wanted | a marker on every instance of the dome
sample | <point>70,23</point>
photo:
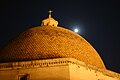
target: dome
<point>50,41</point>
<point>47,42</point>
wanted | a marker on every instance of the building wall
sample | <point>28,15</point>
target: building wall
<point>54,69</point>
<point>36,70</point>
<point>44,73</point>
<point>78,72</point>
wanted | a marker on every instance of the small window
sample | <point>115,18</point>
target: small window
<point>24,77</point>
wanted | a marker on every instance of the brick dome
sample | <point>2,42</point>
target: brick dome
<point>47,42</point>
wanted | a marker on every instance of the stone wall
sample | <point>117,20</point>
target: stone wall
<point>78,72</point>
<point>54,69</point>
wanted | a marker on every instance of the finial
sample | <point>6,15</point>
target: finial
<point>49,21</point>
<point>50,13</point>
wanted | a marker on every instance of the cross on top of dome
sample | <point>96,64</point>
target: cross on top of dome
<point>50,13</point>
<point>49,21</point>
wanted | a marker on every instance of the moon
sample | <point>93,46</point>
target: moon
<point>76,30</point>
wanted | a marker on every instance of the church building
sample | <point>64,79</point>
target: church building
<point>50,52</point>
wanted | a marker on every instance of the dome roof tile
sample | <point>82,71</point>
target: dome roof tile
<point>46,42</point>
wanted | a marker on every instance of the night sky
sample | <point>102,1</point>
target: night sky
<point>97,20</point>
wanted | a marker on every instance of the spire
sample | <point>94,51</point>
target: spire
<point>50,13</point>
<point>49,21</point>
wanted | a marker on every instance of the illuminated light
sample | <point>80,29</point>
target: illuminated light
<point>76,30</point>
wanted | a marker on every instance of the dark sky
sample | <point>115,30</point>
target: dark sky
<point>98,21</point>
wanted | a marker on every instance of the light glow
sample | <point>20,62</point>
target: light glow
<point>76,30</point>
